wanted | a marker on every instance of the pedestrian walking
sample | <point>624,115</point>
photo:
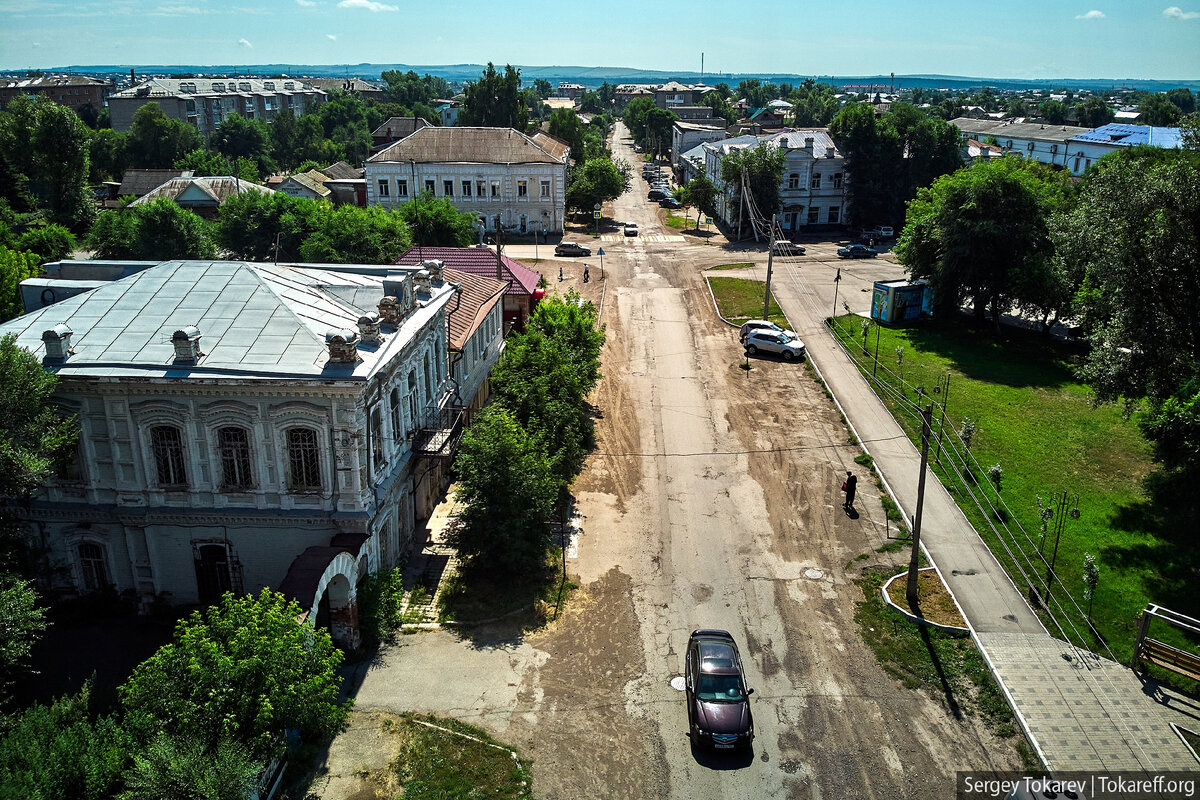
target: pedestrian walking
<point>585,273</point>
<point>849,487</point>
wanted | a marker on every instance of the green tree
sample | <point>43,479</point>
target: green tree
<point>720,106</point>
<point>352,235</point>
<point>250,225</point>
<point>1053,112</point>
<point>873,154</point>
<point>296,140</point>
<point>204,163</point>
<point>237,137</point>
<point>507,495</point>
<point>244,671</point>
<point>435,222</point>
<point>409,89</point>
<point>181,768</point>
<point>1189,130</point>
<point>981,233</point>
<point>701,193</point>
<point>543,88</point>
<point>44,148</point>
<point>156,141</point>
<point>566,125</point>
<point>659,122</point>
<point>573,323</point>
<point>108,155</point>
<point>494,101</point>
<point>1183,99</point>
<point>156,231</point>
<point>1015,108</point>
<point>760,169</point>
<point>1156,109</point>
<point>814,104</point>
<point>63,751</point>
<point>22,621</point>
<point>47,242</point>
<point>1132,231</point>
<point>348,121</point>
<point>1093,112</point>
<point>15,266</point>
<point>596,181</point>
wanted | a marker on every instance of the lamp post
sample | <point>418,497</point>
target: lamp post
<point>1063,506</point>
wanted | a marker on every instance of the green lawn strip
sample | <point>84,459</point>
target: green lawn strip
<point>1035,419</point>
<point>675,221</point>
<point>948,667</point>
<point>739,265</point>
<point>740,299</point>
<point>435,764</point>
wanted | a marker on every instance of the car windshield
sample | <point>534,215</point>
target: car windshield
<point>720,689</point>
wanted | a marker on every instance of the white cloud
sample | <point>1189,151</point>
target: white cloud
<point>1093,14</point>
<point>244,43</point>
<point>305,3</point>
<point>1175,12</point>
<point>369,5</point>
<point>177,11</point>
<point>331,37</point>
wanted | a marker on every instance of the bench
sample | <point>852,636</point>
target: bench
<point>1160,654</point>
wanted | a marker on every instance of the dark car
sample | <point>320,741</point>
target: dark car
<point>670,202</point>
<point>857,251</point>
<point>717,698</point>
<point>656,194</point>
<point>571,249</point>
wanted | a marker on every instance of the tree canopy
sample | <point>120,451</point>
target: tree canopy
<point>157,141</point>
<point>981,234</point>
<point>156,231</point>
<point>245,669</point>
<point>760,169</point>
<point>495,101</point>
<point>701,193</point>
<point>436,222</point>
<point>596,181</point>
<point>45,161</point>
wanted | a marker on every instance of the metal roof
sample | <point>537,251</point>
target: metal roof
<point>1123,135</point>
<point>477,261</point>
<point>256,321</point>
<point>467,146</point>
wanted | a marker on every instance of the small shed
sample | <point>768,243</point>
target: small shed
<point>900,301</point>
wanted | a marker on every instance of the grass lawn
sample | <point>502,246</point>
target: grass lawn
<point>947,666</point>
<point>740,299</point>
<point>1036,420</point>
<point>676,221</point>
<point>454,760</point>
<point>739,265</point>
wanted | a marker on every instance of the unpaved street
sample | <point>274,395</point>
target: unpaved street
<point>712,500</point>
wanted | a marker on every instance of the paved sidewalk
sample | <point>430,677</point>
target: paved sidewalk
<point>1082,712</point>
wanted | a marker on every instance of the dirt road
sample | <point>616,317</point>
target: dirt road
<point>711,501</point>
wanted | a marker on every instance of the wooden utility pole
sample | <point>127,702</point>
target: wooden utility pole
<point>767,298</point>
<point>911,593</point>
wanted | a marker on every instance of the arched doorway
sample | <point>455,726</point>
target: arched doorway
<point>323,580</point>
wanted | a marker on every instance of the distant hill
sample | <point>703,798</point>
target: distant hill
<point>594,76</point>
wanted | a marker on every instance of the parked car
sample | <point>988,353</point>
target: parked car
<point>784,344</point>
<point>782,247</point>
<point>571,249</point>
<point>760,324</point>
<point>857,251</point>
<point>877,234</point>
<point>631,229</point>
<point>670,202</point>
<point>718,701</point>
<point>656,194</point>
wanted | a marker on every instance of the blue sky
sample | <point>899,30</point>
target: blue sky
<point>1018,39</point>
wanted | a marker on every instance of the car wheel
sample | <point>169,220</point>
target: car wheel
<point>751,350</point>
<point>787,355</point>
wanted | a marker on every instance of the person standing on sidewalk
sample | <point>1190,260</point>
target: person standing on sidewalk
<point>849,487</point>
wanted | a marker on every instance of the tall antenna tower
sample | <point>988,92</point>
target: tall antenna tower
<point>702,67</point>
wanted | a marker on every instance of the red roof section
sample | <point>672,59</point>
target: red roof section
<point>479,296</point>
<point>479,261</point>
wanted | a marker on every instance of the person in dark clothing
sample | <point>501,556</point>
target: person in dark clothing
<point>849,488</point>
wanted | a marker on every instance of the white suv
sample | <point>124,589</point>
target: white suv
<point>784,344</point>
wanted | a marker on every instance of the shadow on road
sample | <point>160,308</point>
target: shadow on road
<point>734,759</point>
<point>947,689</point>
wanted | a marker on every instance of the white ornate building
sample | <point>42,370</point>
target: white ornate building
<point>813,188</point>
<point>247,426</point>
<point>510,181</point>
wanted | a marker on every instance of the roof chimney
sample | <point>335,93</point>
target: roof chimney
<point>187,345</point>
<point>436,269</point>
<point>808,143</point>
<point>829,152</point>
<point>368,328</point>
<point>423,286</point>
<point>389,310</point>
<point>342,346</point>
<point>397,297</point>
<point>58,344</point>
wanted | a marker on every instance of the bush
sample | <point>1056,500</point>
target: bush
<point>380,597</point>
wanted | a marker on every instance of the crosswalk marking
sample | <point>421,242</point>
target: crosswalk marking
<point>649,237</point>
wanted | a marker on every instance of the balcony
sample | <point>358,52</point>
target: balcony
<point>439,433</point>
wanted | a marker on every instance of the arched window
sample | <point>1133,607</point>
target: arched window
<point>166,442</point>
<point>234,445</point>
<point>377,458</point>
<point>304,460</point>
<point>93,566</point>
<point>793,181</point>
<point>397,420</point>
<point>428,381</point>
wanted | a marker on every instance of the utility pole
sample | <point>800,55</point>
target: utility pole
<point>767,296</point>
<point>837,279</point>
<point>911,592</point>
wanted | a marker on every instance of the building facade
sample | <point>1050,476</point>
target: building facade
<point>244,426</point>
<point>813,189</point>
<point>73,91</point>
<point>509,181</point>
<point>206,102</point>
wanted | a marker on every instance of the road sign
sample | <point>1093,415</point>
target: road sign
<point>708,220</point>
<point>600,252</point>
<point>596,214</point>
